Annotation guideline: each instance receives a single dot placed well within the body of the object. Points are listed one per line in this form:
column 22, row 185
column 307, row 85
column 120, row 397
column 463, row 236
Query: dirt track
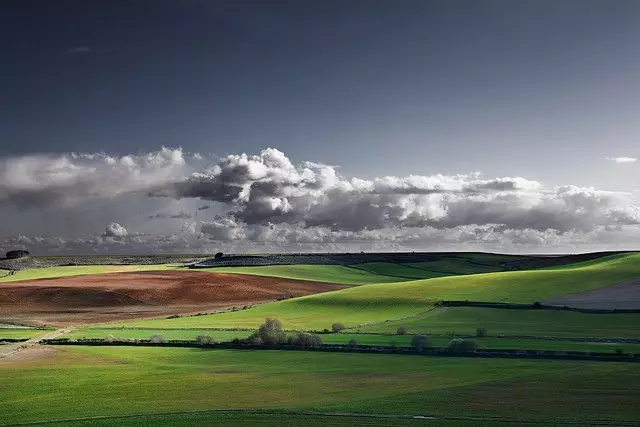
column 114, row 296
column 624, row 295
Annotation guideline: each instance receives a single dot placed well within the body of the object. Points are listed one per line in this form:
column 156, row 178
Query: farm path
column 10, row 350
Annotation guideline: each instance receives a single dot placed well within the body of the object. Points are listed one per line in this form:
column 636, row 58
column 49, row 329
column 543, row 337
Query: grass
column 498, row 321
column 66, row 271
column 319, row 273
column 397, row 270
column 388, row 301
column 14, row 333
column 362, row 339
column 96, row 381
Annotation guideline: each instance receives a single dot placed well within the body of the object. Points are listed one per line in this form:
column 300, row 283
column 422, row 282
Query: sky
column 253, row 126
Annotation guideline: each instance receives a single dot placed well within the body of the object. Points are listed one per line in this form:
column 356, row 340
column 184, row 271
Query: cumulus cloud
column 267, row 201
column 115, row 230
column 45, row 180
column 621, row 160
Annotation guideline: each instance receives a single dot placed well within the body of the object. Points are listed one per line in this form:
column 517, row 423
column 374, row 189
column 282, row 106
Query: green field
column 21, row 333
column 319, row 273
column 80, row 382
column 406, row 272
column 66, row 271
column 369, row 339
column 388, row 301
column 499, row 321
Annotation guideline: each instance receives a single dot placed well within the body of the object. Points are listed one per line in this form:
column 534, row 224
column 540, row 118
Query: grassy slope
column 380, row 302
column 119, row 381
column 397, row 270
column 51, row 272
column 465, row 320
column 320, row 273
column 21, row 333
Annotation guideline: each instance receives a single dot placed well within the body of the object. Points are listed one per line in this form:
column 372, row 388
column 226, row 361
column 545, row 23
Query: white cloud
column 621, row 160
column 115, row 230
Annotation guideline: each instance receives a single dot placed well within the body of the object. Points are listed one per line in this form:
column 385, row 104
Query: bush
column 461, row 346
column 204, row 339
column 156, row 338
column 219, row 255
column 254, row 339
column 271, row 332
column 337, row 327
column 481, row 332
column 537, row 304
column 619, row 351
column 420, row 342
column 401, row 331
column 353, row 343
column 304, row 339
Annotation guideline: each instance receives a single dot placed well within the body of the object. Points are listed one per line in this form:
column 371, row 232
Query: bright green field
column 21, row 333
column 362, row 339
column 397, row 270
column 51, row 272
column 319, row 273
column 388, row 301
column 499, row 321
column 80, row 382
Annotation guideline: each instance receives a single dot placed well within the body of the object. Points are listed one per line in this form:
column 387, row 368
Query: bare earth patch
column 118, row 296
column 624, row 295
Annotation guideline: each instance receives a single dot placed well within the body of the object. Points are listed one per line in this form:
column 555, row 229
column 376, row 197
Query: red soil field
column 117, row 296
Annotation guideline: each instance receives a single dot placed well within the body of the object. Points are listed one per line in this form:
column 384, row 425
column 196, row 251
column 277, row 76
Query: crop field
column 321, row 273
column 393, row 301
column 71, row 385
column 137, row 381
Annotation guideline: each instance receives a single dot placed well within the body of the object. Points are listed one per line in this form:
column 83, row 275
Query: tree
column 353, row 343
column 271, row 332
column 204, row 339
column 304, row 339
column 401, row 331
column 219, row 255
column 481, row 332
column 156, row 338
column 420, row 342
column 337, row 327
column 460, row 346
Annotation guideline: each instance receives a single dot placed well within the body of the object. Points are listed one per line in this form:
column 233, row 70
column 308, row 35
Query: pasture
column 99, row 381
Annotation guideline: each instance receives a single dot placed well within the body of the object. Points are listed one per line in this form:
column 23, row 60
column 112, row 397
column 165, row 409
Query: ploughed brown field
column 116, row 296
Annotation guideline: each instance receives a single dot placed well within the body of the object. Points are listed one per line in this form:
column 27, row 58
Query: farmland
column 127, row 381
column 373, row 300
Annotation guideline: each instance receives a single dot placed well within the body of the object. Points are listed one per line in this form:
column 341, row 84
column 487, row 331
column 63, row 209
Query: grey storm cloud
column 177, row 215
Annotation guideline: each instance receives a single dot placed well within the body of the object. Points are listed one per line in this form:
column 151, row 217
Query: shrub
column 254, row 339
column 307, row 340
column 619, row 351
column 481, row 332
column 420, row 342
column 204, row 339
column 353, row 343
column 461, row 346
column 537, row 304
column 401, row 331
column 271, row 332
column 156, row 338
column 219, row 255
column 337, row 327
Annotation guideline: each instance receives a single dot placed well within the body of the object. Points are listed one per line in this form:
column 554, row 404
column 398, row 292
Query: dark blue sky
column 543, row 89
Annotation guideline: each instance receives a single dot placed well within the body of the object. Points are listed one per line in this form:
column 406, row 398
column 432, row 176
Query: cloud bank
column 622, row 160
column 266, row 202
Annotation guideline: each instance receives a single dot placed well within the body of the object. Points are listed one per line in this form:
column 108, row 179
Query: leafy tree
column 204, row 339
column 337, row 327
column 401, row 331
column 304, row 339
column 460, row 346
column 271, row 332
column 353, row 343
column 219, row 255
column 420, row 342
column 156, row 338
